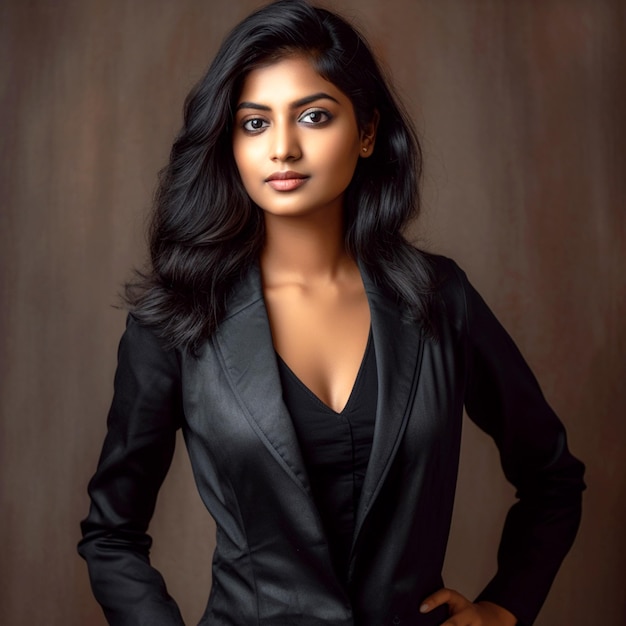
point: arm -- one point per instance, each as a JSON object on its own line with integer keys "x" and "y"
{"x": 504, "y": 399}
{"x": 137, "y": 452}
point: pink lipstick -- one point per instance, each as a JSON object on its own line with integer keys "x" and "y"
{"x": 286, "y": 181}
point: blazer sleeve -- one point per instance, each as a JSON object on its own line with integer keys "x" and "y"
{"x": 137, "y": 452}
{"x": 504, "y": 399}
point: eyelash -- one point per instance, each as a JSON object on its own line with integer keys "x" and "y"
{"x": 321, "y": 112}
{"x": 253, "y": 131}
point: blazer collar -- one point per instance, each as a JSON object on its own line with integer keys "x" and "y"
{"x": 245, "y": 342}
{"x": 398, "y": 345}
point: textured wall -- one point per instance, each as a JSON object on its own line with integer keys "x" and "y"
{"x": 521, "y": 107}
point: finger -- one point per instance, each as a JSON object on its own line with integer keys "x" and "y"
{"x": 466, "y": 617}
{"x": 456, "y": 601}
{"x": 434, "y": 600}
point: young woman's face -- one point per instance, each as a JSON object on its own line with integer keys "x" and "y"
{"x": 296, "y": 141}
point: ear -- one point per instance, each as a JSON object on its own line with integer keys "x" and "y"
{"x": 368, "y": 136}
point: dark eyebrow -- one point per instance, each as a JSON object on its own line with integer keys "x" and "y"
{"x": 298, "y": 103}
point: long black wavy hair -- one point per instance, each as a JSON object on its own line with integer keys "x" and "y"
{"x": 206, "y": 232}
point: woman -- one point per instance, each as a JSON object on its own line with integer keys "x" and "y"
{"x": 316, "y": 362}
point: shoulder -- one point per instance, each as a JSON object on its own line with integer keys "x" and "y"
{"x": 451, "y": 289}
{"x": 446, "y": 272}
{"x": 142, "y": 347}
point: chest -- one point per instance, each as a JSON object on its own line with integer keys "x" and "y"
{"x": 322, "y": 337}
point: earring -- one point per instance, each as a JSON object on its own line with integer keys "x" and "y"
{"x": 364, "y": 149}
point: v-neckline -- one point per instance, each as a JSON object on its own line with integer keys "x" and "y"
{"x": 355, "y": 384}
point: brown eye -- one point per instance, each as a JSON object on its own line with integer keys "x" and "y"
{"x": 254, "y": 125}
{"x": 315, "y": 117}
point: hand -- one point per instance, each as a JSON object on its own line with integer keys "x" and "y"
{"x": 466, "y": 613}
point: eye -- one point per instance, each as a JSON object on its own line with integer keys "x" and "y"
{"x": 254, "y": 125}
{"x": 315, "y": 117}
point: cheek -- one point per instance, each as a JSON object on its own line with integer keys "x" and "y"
{"x": 343, "y": 157}
{"x": 240, "y": 157}
{"x": 245, "y": 161}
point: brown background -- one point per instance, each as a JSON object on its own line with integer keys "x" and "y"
{"x": 521, "y": 105}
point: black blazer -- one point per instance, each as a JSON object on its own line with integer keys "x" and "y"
{"x": 272, "y": 565}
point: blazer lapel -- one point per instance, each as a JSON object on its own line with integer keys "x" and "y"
{"x": 244, "y": 341}
{"x": 398, "y": 347}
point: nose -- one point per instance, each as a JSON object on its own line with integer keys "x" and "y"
{"x": 285, "y": 142}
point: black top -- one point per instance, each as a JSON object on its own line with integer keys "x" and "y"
{"x": 335, "y": 449}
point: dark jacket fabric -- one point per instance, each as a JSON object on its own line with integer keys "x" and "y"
{"x": 272, "y": 565}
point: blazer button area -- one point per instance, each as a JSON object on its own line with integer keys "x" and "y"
{"x": 396, "y": 620}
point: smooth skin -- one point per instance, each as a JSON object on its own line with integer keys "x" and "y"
{"x": 296, "y": 143}
{"x": 289, "y": 119}
{"x": 466, "y": 613}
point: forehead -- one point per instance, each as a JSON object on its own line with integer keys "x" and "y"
{"x": 286, "y": 81}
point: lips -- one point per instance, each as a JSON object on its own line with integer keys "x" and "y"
{"x": 286, "y": 181}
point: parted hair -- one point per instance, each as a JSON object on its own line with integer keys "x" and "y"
{"x": 206, "y": 232}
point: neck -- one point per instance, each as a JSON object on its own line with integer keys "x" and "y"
{"x": 304, "y": 249}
